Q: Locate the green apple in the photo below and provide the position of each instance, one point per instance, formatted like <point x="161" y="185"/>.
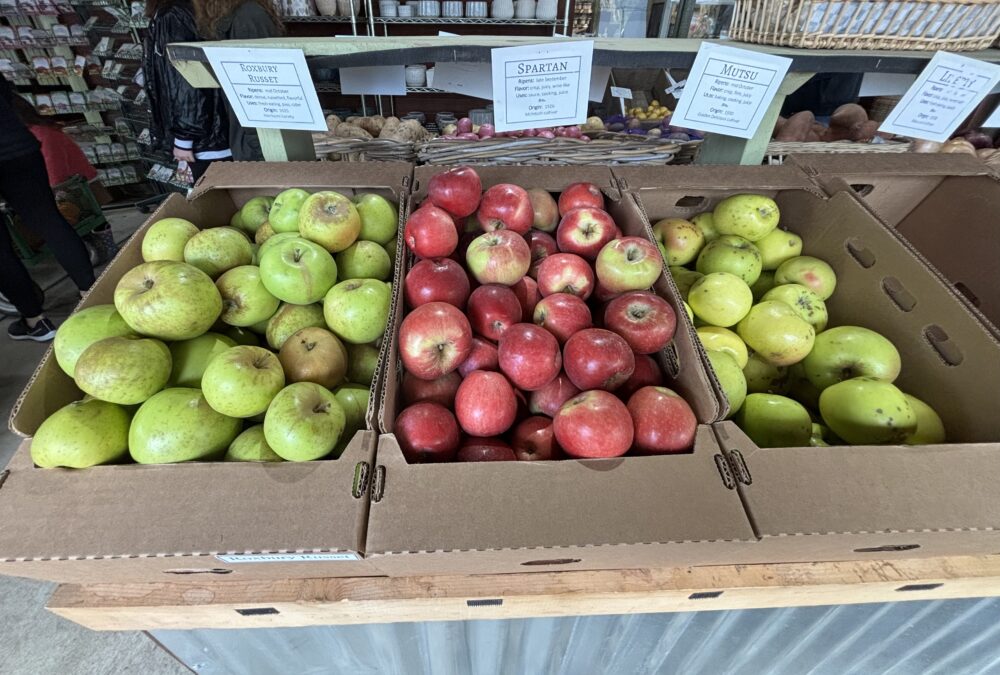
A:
<point x="82" y="434"/>
<point x="165" y="239"/>
<point x="684" y="279"/>
<point x="284" y="213"/>
<point x="390" y="248"/>
<point x="124" y="370"/>
<point x="364" y="260"/>
<point x="259" y="328"/>
<point x="764" y="283"/>
<point x="304" y="422"/>
<point x="801" y="389"/>
<point x="732" y="254"/>
<point x="241" y="381"/>
<point x="83" y="329"/>
<point x="774" y="331"/>
<point x="706" y="224"/>
<point x="191" y="357"/>
<point x="812" y="273"/>
<point x="168" y="300"/>
<point x="245" y="301"/>
<point x="723" y="340"/>
<point x="298" y="271"/>
<point x="805" y="303"/>
<point x="241" y="336"/>
<point x="844" y="352"/>
<point x="218" y="249"/>
<point x="272" y="240"/>
<point x="734" y="384"/>
<point x="255" y="212"/>
<point x="773" y="421"/>
<point x="290" y="319"/>
<point x="379" y="218"/>
<point x="867" y="411"/>
<point x="353" y="399"/>
<point x="690" y="312"/>
<point x="720" y="299"/>
<point x="263" y="233"/>
<point x="330" y="219"/>
<point x="362" y="361"/>
<point x="763" y="377"/>
<point x="250" y="446"/>
<point x="679" y="240"/>
<point x="357" y="310"/>
<point x="777" y="247"/>
<point x="178" y="425"/>
<point x="930" y="428"/>
<point x="236" y="220"/>
<point x="749" y="216"/>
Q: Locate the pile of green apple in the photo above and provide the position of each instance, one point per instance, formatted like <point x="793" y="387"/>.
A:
<point x="252" y="342"/>
<point x="759" y="307"/>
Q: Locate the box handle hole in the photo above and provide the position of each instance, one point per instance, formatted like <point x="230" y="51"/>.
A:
<point x="378" y="483"/>
<point x="725" y="472"/>
<point x="486" y="602"/>
<point x="257" y="611"/>
<point x="214" y="570"/>
<point x="862" y="189"/>
<point x="691" y="201"/>
<point x="860" y="253"/>
<point x="555" y="561"/>
<point x="967" y="292"/>
<point x="919" y="587"/>
<point x="361" y="473"/>
<point x="900" y="297"/>
<point x="942" y="344"/>
<point x="705" y="595"/>
<point x="888" y="548"/>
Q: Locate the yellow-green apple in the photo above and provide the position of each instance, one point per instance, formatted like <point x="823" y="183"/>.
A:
<point x="362" y="360"/>
<point x="290" y="319"/>
<point x="304" y="422"/>
<point x="485" y="404"/>
<point x="777" y="247"/>
<point x="457" y="191"/>
<point x="245" y="301"/>
<point x="272" y="240"/>
<point x="190" y="358"/>
<point x="298" y="271"/>
<point x="178" y="425"/>
<point x="585" y="231"/>
<point x="527" y="294"/>
<point x="541" y="244"/>
<point x="83" y="329"/>
<point x="844" y="352"/>
<point x="357" y="310"/>
<point x="724" y="340"/>
<point x="284" y="213"/>
<point x="236" y="220"/>
<point x="930" y="428"/>
<point x="534" y="439"/>
<point x="434" y="339"/>
<point x="165" y="239"/>
<point x="314" y="355"/>
<point x="124" y="370"/>
<point x="548" y="399"/>
<point x="441" y="391"/>
<point x="437" y="280"/>
<point x="764" y="283"/>
<point x="690" y="312"/>
<point x="812" y="273"/>
<point x="774" y="421"/>
<point x="684" y="279"/>
<point x="580" y="195"/>
<point x="644" y="319"/>
<point x="733" y="254"/>
<point x="218" y="249"/>
<point x="594" y="424"/>
<point x="427" y="432"/>
<point x="776" y="332"/>
<point x="265" y="232"/>
<point x="492" y="310"/>
<point x="749" y="216"/>
<point x="82" y="434"/>
<point x="251" y="446"/>
<point x="628" y="264"/>
<point x="647" y="373"/>
<point x="254" y="213"/>
<point x="706" y="223"/>
<point x="544" y="209"/>
<point x="379" y="218"/>
<point x="562" y="315"/>
<point x="529" y="356"/>
<point x="565" y="273"/>
<point x="730" y="377"/>
<point x="805" y="303"/>
<point x="764" y="377"/>
<point x="353" y="400"/>
<point x="498" y="257"/>
<point x="329" y="219"/>
<point x="720" y="299"/>
<point x="363" y="260"/>
<point x="241" y="381"/>
<point x="430" y="232"/>
<point x="390" y="248"/>
<point x="867" y="411"/>
<point x="679" y="240"/>
<point x="505" y="207"/>
<point x="595" y="358"/>
<point x="664" y="422"/>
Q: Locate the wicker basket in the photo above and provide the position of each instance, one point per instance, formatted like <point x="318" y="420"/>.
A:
<point x="364" y="150"/>
<point x="778" y="150"/>
<point x="955" y="25"/>
<point x="548" y="151"/>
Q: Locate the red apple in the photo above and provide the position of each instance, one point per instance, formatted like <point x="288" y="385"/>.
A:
<point x="534" y="439"/>
<point x="485" y="450"/>
<point x="441" y="390"/>
<point x="457" y="191"/>
<point x="482" y="357"/>
<point x="647" y="373"/>
<point x="485" y="404"/>
<point x="645" y="320"/>
<point x="427" y="432"/>
<point x="500" y="257"/>
<point x="593" y="424"/>
<point x="434" y="339"/>
<point x="505" y="207"/>
<point x="663" y="421"/>
<point x="548" y="399"/>
<point x="603" y="294"/>
<point x="565" y="273"/>
<point x="529" y="356"/>
<point x="430" y="232"/>
<point x="562" y="315"/>
<point x="629" y="264"/>
<point x="598" y="359"/>
<point x="546" y="211"/>
<point x="541" y="246"/>
<point x="580" y="195"/>
<point x="527" y="294"/>
<point x="585" y="231"/>
<point x="492" y="309"/>
<point x="436" y="280"/>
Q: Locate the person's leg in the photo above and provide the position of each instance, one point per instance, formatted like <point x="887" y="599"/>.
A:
<point x="200" y="166"/>
<point x="17" y="286"/>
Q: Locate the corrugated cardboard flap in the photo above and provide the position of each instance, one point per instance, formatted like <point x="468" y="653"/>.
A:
<point x="888" y="165"/>
<point x="749" y="178"/>
<point x="276" y="176"/>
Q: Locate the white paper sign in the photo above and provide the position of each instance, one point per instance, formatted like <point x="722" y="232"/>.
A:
<point x="268" y="88"/>
<point x="728" y="90"/>
<point x="388" y="80"/>
<point x="621" y="92"/>
<point x="470" y="79"/>
<point x="543" y="85"/>
<point x="993" y="120"/>
<point x="599" y="76"/>
<point x="945" y="93"/>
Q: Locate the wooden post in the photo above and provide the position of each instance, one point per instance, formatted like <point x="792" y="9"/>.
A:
<point x="283" y="145"/>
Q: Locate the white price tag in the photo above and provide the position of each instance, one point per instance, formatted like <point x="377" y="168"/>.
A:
<point x="268" y="88"/>
<point x="945" y="93"/>
<point x="541" y="85"/>
<point x="621" y="92"/>
<point x="728" y="90"/>
<point x="286" y="557"/>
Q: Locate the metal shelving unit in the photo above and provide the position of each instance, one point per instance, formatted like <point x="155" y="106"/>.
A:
<point x="465" y="20"/>
<point x="332" y="88"/>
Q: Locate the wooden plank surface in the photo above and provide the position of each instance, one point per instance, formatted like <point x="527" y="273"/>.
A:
<point x="310" y="602"/>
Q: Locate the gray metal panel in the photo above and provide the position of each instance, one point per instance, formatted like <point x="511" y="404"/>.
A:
<point x="946" y="637"/>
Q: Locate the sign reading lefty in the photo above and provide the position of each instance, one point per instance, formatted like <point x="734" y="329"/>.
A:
<point x="543" y="85"/>
<point x="728" y="90"/>
<point x="268" y="88"/>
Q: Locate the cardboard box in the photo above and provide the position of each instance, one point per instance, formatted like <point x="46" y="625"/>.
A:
<point x="497" y="517"/>
<point x="145" y="522"/>
<point x="856" y="502"/>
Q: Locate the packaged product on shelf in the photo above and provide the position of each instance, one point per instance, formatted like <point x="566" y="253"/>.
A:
<point x="108" y="69"/>
<point x="59" y="66"/>
<point x="77" y="99"/>
<point x="118" y="152"/>
<point x="41" y="35"/>
<point x="60" y="33"/>
<point x="43" y="103"/>
<point x="102" y="176"/>
<point x="79" y="63"/>
<point x="130" y="174"/>
<point x="122" y="127"/>
<point x="89" y="152"/>
<point x="41" y="65"/>
<point x="7" y="36"/>
<point x="25" y="35"/>
<point x="140" y="98"/>
<point x="132" y="150"/>
<point x="7" y="68"/>
<point x="115" y="176"/>
<point x="60" y="101"/>
<point x="103" y="151"/>
<point x="145" y="137"/>
<point x="93" y="65"/>
<point x="8" y="6"/>
<point x="116" y="69"/>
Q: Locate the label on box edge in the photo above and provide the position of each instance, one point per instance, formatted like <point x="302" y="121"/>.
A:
<point x="286" y="557"/>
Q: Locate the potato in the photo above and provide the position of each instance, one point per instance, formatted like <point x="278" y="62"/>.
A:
<point x="958" y="146"/>
<point x="797" y="127"/>
<point x="408" y="131"/>
<point x="332" y="122"/>
<point x="848" y="115"/>
<point x="390" y="126"/>
<point x="372" y="125"/>
<point x="864" y="132"/>
<point x="350" y="131"/>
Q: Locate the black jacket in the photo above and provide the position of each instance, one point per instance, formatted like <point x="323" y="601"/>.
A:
<point x="15" y="139"/>
<point x="178" y="110"/>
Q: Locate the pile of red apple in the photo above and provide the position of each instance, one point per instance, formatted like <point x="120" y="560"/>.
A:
<point x="530" y="329"/>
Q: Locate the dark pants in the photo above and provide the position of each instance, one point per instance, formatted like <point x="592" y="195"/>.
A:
<point x="24" y="185"/>
<point x="200" y="166"/>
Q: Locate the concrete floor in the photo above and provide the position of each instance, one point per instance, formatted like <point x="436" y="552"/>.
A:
<point x="35" y="642"/>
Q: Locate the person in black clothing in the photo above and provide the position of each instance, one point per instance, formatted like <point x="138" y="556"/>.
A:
<point x="24" y="185"/>
<point x="191" y="123"/>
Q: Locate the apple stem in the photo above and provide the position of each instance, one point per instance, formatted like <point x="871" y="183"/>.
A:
<point x="148" y="283"/>
<point x="632" y="255"/>
<point x="298" y="255"/>
<point x="321" y="408"/>
<point x="310" y="346"/>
